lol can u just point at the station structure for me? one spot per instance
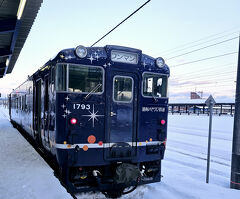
(16, 20)
(198, 106)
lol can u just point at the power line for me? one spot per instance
(204, 38)
(198, 75)
(186, 82)
(202, 75)
(203, 48)
(121, 22)
(209, 68)
(205, 59)
(182, 49)
(209, 84)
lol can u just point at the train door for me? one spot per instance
(37, 108)
(122, 115)
(46, 110)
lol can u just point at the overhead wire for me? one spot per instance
(204, 38)
(183, 49)
(208, 68)
(203, 48)
(209, 77)
(121, 22)
(204, 74)
(207, 58)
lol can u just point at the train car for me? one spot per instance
(102, 113)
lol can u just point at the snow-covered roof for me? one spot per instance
(199, 101)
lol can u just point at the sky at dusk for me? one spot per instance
(179, 31)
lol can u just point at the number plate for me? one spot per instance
(124, 57)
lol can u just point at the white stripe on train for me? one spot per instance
(105, 145)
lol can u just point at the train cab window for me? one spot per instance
(123, 89)
(85, 79)
(154, 85)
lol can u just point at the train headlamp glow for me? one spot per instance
(81, 51)
(160, 62)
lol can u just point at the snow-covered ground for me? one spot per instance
(23, 173)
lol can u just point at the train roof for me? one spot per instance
(101, 56)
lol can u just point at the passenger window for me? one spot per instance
(61, 79)
(123, 89)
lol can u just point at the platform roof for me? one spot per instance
(16, 20)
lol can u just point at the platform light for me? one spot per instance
(73, 121)
(160, 62)
(21, 8)
(81, 51)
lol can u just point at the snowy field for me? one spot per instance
(23, 173)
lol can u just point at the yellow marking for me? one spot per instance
(65, 142)
(83, 177)
(140, 144)
(146, 141)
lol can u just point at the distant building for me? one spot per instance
(194, 95)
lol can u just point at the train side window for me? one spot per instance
(61, 75)
(52, 83)
(19, 102)
(46, 94)
(30, 90)
(122, 89)
(25, 102)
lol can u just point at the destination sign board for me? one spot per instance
(124, 57)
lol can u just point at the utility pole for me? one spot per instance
(235, 168)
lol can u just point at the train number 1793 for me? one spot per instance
(81, 106)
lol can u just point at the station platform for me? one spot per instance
(23, 172)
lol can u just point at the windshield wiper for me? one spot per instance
(93, 90)
(154, 97)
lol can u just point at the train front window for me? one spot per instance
(79, 78)
(154, 85)
(123, 89)
(85, 79)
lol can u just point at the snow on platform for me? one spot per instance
(23, 173)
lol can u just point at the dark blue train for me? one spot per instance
(102, 112)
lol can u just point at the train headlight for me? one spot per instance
(81, 51)
(160, 62)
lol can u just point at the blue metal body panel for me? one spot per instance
(124, 132)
